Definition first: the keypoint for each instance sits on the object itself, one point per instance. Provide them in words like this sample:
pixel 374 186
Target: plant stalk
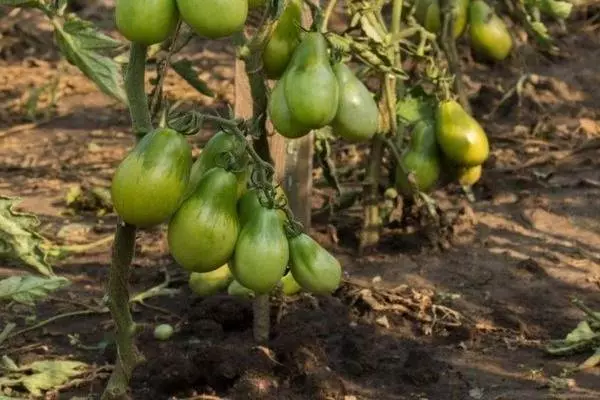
pixel 261 326
pixel 128 356
pixel 141 121
pixel 260 98
pixel 449 47
pixel 372 221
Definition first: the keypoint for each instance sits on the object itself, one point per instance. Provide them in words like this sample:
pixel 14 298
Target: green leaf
pixel 18 240
pixel 81 43
pixel 415 106
pixel 186 70
pixel 29 289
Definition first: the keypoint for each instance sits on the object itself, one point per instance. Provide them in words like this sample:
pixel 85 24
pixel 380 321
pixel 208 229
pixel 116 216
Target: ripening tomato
pixel 149 184
pixel 146 21
pixel 261 252
pixel 462 140
pixel 489 35
pixel 203 232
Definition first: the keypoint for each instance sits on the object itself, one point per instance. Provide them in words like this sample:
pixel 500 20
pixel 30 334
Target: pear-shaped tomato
pixel 314 268
pixel 461 138
pixel 357 116
pixel 150 182
pixel 214 18
pixel 468 176
pixel 310 86
pixel 283 41
pixel 283 121
pixel 261 253
pixel 421 161
pixel 146 22
pixel 203 232
pixel 289 286
pixel 236 289
pixel 210 283
pixel 250 204
pixel 212 155
pixel 428 14
pixel 490 37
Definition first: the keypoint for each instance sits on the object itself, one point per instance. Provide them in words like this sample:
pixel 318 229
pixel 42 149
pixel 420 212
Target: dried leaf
pixel 41 376
pixel 18 240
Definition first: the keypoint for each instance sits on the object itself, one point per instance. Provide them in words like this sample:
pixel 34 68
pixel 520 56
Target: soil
pixel 458 313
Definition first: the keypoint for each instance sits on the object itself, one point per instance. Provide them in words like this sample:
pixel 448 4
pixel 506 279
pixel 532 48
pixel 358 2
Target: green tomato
pixel 289 285
pixel 203 232
pixel 210 283
pixel 310 86
pixel 211 156
pixel 468 176
pixel 150 182
pixel 283 41
pixel 236 289
pixel 261 252
pixel 489 35
pixel 214 18
pixel 249 204
pixel 357 117
pixel 314 268
pixel 146 21
pixel 281 117
pixel 163 332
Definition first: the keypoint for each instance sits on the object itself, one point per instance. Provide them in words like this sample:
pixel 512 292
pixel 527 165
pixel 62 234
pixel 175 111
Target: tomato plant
pixel 228 223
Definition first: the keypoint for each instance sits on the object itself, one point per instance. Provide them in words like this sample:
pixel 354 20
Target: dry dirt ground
pixel 529 242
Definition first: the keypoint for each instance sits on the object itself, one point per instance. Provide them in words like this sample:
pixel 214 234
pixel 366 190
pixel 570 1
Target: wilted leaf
pixel 186 70
pixel 41 376
pixel 582 332
pixel 28 289
pixel 18 239
pixel 369 30
pixel 80 43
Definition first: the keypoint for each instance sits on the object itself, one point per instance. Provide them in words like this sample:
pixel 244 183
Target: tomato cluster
pixel 311 93
pixel 219 228
pixel 453 142
pixel 489 35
